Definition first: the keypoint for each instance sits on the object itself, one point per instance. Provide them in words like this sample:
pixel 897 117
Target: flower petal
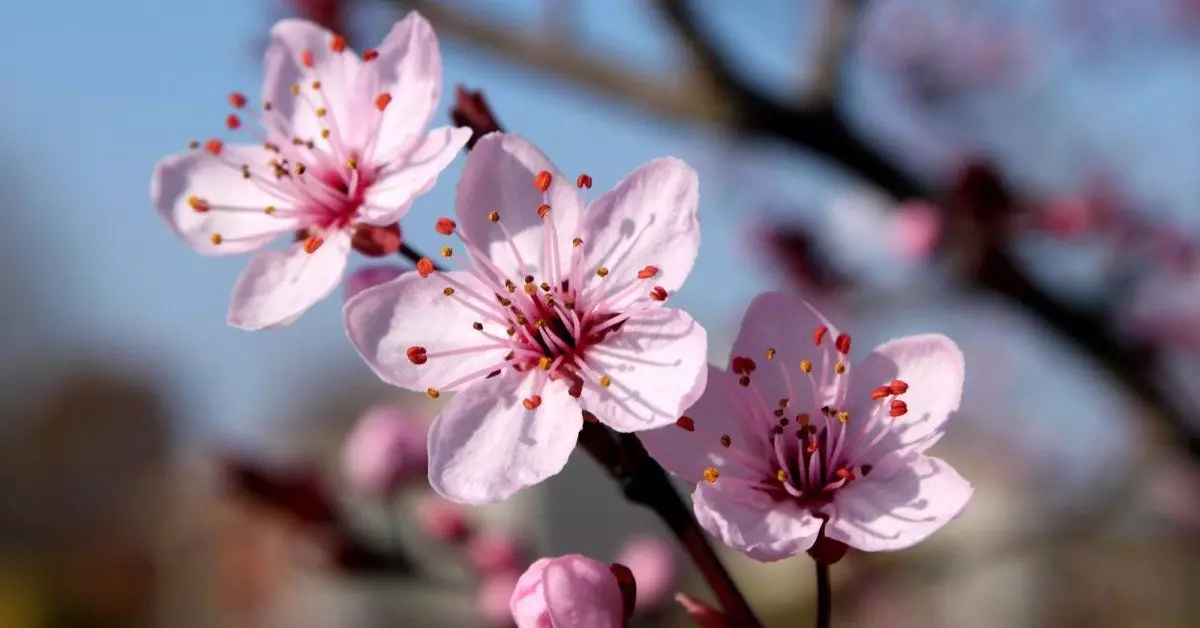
pixel 236 205
pixel 409 69
pixel 785 323
pixel 582 593
pixel 648 219
pixel 337 72
pixel 528 602
pixel 499 176
pixel 719 412
pixel 278 286
pixel 484 445
pixel 385 321
pixel 900 504
pixel 932 366
pixel 401 182
pixel 657 365
pixel 750 521
pixel 365 277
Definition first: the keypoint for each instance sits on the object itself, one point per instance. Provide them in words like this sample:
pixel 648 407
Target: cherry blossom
pixel 553 312
pixel 786 446
pixel 571 591
pixel 340 152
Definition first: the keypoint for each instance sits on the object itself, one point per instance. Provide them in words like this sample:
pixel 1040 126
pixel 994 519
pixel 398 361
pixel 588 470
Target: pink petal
pixel 779 321
pixel 493 596
pixel 687 452
pixel 916 228
pixel 401 182
pixel 365 277
pixel 384 322
pixel 499 176
pixel 648 219
pixel 336 72
pixel 385 448
pixel 409 68
pixel 654 568
pixel 485 446
pixel 750 521
pixel 199 173
pixel 528 602
pixel 278 286
pixel 898 505
pixel 658 364
pixel 582 593
pixel 933 368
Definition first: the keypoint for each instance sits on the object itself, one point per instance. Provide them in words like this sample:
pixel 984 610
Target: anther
pixel 193 144
pixel 880 393
pixel 295 89
pixel 899 408
pixel 845 474
pixel 839 368
pixel 433 393
pixel 445 226
pixel 337 44
pixel 802 419
pixel 542 181
pixel 512 287
pixel 245 171
pixel 530 289
pixel 325 134
pixel 494 216
pixel 267 106
pixel 214 146
pixel 783 421
pixel 313 243
pixel 417 355
pixel 321 113
pixel 447 251
pixel 898 387
pixel 306 58
pixel 770 353
pixel 779 413
pixel 198 204
pixel 448 291
pixel 511 331
pixel 545 287
pixel 542 210
pixel 370 55
pixel 843 417
pixel 539 323
pixel 777 430
pixel 352 163
pixel 477 326
pixel 659 293
pixel 425 267
pixel 383 100
pixel 813 447
pixel 711 474
pixel 783 403
pixel 583 181
pixel 577 242
pixel 605 381
pixel 726 441
pixel 544 363
pixel 301 169
pixel 781 475
pixel 843 344
pixel 237 99
pixel 806 366
pixel 528 278
pixel 686 423
pixel 216 239
pixel 819 335
pixel 647 272
pixel 742 365
pixel 232 121
pixel 744 381
pixel 316 85
pixel 602 271
pixel 532 402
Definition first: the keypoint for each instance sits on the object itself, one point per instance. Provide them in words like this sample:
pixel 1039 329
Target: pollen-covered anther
pixel 321 113
pixel 425 267
pixel 306 58
pixel 417 355
pixel 744 381
pixel 806 366
pixel 726 442
pixel 214 146
pixel 813 447
pixel 605 381
pixel 899 408
pixel 602 271
pixel 316 85
pixel 783 421
pixel 445 226
pixel 232 121
pixel 843 417
pixel 300 169
pixel 512 287
pixel 448 291
pixel 844 474
pixel 370 55
pixel 659 293
pixel 337 43
pixel 647 272
pixel 542 181
pixel 880 393
pixel 447 251
pixel 898 387
pixel 781 475
pixel 741 365
pixel 494 216
pixel 803 419
pixel 532 402
pixel 843 344
pixel 193 145
pixel 577 242
pixel 352 163
pixel 583 181
pixel 477 326
pixel 295 89
pixel 269 209
pixel 819 335
pixel 544 286
pixel 325 134
pixel 511 331
pixel 313 243
pixel 711 474
pixel 783 403
pixel 216 239
pixel 530 289
pixel 686 423
pixel 198 204
pixel 542 210
pixel 383 100
pixel 237 99
pixel 433 393
pixel 839 368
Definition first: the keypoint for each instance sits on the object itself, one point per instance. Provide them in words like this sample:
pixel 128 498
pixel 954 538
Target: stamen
pixel 382 101
pixel 447 251
pixel 448 291
pixel 337 44
pixel 605 381
pixel 216 239
pixel 647 272
pixel 898 387
pixel 214 146
pixel 806 366
pixel 445 226
pixel 742 365
pixel 583 182
pixel 493 216
pixel 770 353
pixel 839 368
pixel 781 475
pixel 306 57
pixel 577 242
pixel 542 181
pixel 313 243
pixel 711 474
pixel 477 326
pixel 417 355
pixel 843 417
pixel 433 393
pixel 602 271
pixel 237 99
pixel 659 293
pixel 370 55
pixel 425 267
pixel 726 441
pixel 899 408
pixel 686 423
pixel 198 204
pixel 819 335
pixel 880 393
pixel 843 344
pixel 542 210
pixel 232 122
pixel 532 402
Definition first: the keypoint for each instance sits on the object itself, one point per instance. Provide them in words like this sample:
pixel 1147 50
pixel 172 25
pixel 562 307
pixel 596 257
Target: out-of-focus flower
pixel 368 277
pixel 492 598
pixel 916 229
pixel 555 311
pixel 571 591
pixel 443 520
pixel 653 565
pixel 797 449
pixel 330 14
pixel 494 551
pixel 1175 494
pixel 342 154
pixel 385 449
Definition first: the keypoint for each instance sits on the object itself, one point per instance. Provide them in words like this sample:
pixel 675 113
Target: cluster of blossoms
pixel 552 311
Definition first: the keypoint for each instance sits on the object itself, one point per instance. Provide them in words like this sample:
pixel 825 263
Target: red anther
pixel 306 58
pixel 532 402
pixel 686 423
pixel 445 226
pixel 417 355
pixel 232 121
pixel 237 99
pixel 198 204
pixel 659 293
pixel 819 335
pixel 382 101
pixel 425 266
pixel 338 43
pixel 583 181
pixel 542 181
pixel 647 272
pixel 898 387
pixel 813 447
pixel 880 393
pixel 543 209
pixel 214 146
pixel 843 344
pixel 313 243
pixel 899 408
pixel 371 55
pixel 742 365
pixel 845 474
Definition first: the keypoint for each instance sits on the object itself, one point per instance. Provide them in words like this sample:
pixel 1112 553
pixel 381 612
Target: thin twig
pixel 824 596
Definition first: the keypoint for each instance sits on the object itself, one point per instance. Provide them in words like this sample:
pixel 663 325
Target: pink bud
pixel 492 598
pixel 652 562
pixel 917 229
pixel 385 448
pixel 1067 217
pixel 493 552
pixel 572 591
pixel 443 520
pixel 367 277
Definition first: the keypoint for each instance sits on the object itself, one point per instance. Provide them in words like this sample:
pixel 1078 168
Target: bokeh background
pixel 1018 174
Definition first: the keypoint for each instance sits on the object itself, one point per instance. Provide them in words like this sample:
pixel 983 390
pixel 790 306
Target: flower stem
pixel 824 596
pixel 644 482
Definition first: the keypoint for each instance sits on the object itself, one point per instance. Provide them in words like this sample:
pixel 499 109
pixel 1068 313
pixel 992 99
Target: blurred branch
pixel 833 44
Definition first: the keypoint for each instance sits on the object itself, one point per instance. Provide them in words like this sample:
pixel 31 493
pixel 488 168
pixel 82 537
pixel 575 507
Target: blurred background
pixel 1018 174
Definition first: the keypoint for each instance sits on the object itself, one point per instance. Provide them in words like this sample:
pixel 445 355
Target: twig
pixel 824 596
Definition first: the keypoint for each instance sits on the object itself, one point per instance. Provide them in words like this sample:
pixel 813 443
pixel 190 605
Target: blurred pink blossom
pixel 571 591
pixel 443 520
pixel 492 598
pixel 385 449
pixel 368 277
pixel 916 229
pixel 652 562
pixel 494 551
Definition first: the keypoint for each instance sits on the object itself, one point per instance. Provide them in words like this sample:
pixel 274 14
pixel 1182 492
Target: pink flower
pixel 571 591
pixel 493 552
pixel 341 152
pixel 386 447
pixel 492 599
pixel 653 565
pixel 553 312
pixel 443 520
pixel 790 442
pixel 917 228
